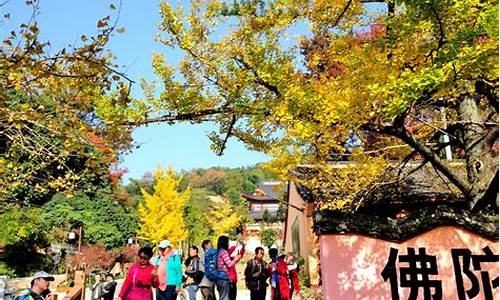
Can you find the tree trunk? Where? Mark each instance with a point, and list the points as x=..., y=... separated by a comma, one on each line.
x=482, y=164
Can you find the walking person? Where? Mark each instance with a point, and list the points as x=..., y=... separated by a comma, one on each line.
x=278, y=271
x=169, y=268
x=140, y=278
x=256, y=275
x=227, y=288
x=193, y=273
x=96, y=290
x=39, y=288
x=108, y=292
x=207, y=287
x=293, y=275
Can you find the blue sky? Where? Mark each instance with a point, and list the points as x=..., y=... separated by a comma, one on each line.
x=182, y=146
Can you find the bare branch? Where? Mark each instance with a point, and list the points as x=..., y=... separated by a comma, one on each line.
x=434, y=127
x=434, y=159
x=346, y=7
x=228, y=134
x=258, y=79
x=180, y=117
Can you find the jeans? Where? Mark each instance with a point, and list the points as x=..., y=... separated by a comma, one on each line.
x=192, y=289
x=168, y=294
x=208, y=293
x=258, y=294
x=223, y=289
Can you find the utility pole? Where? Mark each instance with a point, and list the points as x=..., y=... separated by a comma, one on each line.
x=80, y=239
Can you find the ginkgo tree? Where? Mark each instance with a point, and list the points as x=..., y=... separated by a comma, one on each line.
x=223, y=219
x=161, y=213
x=311, y=81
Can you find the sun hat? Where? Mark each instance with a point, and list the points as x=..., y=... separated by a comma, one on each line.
x=164, y=244
x=43, y=275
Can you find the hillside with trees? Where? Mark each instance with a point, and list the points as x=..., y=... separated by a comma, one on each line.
x=215, y=205
x=111, y=213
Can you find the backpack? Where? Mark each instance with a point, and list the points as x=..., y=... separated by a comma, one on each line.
x=211, y=270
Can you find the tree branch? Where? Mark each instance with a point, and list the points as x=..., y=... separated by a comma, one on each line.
x=346, y=7
x=442, y=35
x=258, y=79
x=434, y=159
x=169, y=118
x=228, y=134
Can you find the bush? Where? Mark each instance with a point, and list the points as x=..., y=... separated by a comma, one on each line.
x=6, y=270
x=25, y=241
x=311, y=293
x=127, y=254
x=93, y=258
x=269, y=237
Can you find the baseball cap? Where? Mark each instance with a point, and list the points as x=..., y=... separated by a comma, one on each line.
x=43, y=275
x=164, y=244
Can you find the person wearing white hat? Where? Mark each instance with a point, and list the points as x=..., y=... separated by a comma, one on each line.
x=39, y=287
x=169, y=270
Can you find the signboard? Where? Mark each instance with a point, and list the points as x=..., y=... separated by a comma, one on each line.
x=443, y=263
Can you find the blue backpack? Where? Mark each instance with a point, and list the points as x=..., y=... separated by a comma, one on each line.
x=211, y=270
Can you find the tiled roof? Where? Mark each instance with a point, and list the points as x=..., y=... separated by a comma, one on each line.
x=411, y=184
x=274, y=189
x=268, y=191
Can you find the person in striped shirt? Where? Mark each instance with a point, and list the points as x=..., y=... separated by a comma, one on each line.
x=227, y=288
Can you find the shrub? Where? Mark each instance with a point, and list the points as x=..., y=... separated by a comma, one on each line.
x=94, y=258
x=269, y=237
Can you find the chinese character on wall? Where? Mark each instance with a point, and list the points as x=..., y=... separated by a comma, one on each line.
x=419, y=273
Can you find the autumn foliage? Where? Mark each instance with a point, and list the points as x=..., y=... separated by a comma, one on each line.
x=161, y=213
x=311, y=82
x=62, y=111
x=93, y=258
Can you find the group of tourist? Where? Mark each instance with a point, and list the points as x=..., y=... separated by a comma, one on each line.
x=103, y=290
x=282, y=272
x=215, y=268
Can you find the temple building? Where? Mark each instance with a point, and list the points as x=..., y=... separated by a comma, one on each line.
x=265, y=207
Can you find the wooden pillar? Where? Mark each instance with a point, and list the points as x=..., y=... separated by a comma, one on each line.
x=80, y=280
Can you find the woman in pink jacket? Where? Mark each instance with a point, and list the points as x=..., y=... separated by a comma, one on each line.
x=140, y=278
x=226, y=263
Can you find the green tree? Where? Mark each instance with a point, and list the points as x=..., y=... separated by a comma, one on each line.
x=24, y=236
x=196, y=219
x=358, y=86
x=104, y=220
x=130, y=195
